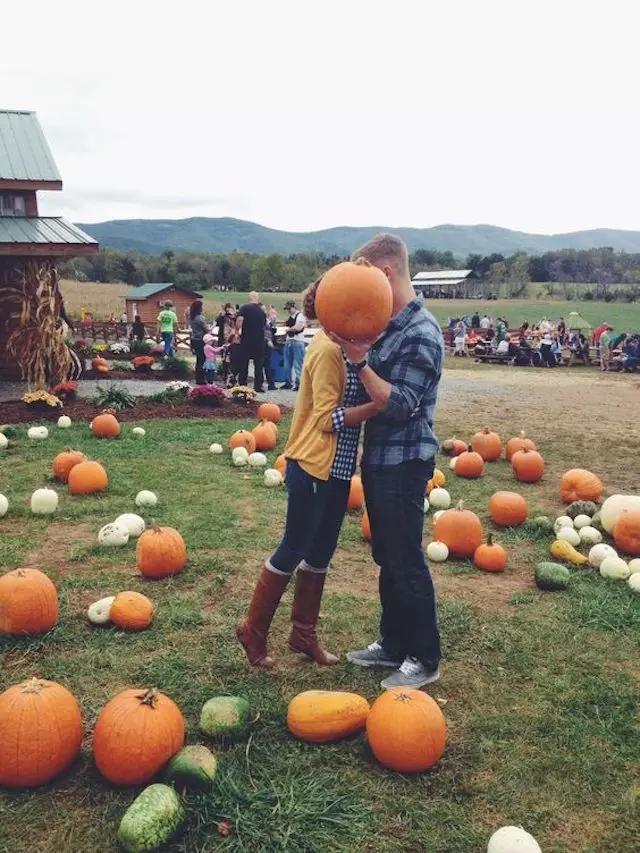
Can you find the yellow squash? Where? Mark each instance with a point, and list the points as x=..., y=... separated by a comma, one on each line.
x=320, y=716
x=562, y=550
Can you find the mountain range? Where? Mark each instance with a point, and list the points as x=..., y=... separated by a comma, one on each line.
x=222, y=235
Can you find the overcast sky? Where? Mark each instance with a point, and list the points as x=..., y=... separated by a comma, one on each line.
x=305, y=115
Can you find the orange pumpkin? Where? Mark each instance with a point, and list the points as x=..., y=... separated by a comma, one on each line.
x=407, y=731
x=518, y=442
x=527, y=465
x=436, y=481
x=453, y=447
x=105, y=425
x=160, y=552
x=488, y=444
x=281, y=464
x=469, y=465
x=490, y=557
x=87, y=478
x=243, y=438
x=269, y=412
x=626, y=533
x=100, y=364
x=28, y=602
x=40, y=733
x=64, y=462
x=136, y=733
x=580, y=485
x=322, y=716
x=266, y=436
x=365, y=526
x=356, y=494
x=508, y=509
x=354, y=301
x=460, y=530
x=131, y=611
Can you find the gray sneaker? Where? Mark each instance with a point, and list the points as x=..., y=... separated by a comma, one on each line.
x=411, y=673
x=373, y=655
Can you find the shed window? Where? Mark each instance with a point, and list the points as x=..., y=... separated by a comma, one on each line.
x=12, y=205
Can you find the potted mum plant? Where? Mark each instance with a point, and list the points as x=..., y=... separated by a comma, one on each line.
x=208, y=395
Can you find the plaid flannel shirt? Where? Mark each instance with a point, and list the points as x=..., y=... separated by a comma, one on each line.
x=344, y=462
x=409, y=355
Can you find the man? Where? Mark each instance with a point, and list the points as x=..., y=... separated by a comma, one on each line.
x=475, y=320
x=401, y=373
x=250, y=325
x=605, y=347
x=485, y=323
x=501, y=329
x=294, y=346
x=597, y=335
x=167, y=327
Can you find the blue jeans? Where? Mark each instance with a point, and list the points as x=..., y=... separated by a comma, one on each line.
x=395, y=504
x=293, y=360
x=315, y=512
x=167, y=337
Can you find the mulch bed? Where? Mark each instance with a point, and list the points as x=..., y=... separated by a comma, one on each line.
x=138, y=375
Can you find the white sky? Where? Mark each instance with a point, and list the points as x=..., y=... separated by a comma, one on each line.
x=306, y=114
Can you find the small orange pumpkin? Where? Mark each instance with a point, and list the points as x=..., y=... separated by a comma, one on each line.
x=243, y=438
x=131, y=611
x=281, y=464
x=40, y=733
x=28, y=602
x=355, y=500
x=101, y=365
x=64, y=462
x=527, y=465
x=269, y=412
x=266, y=436
x=85, y=478
x=508, y=509
x=354, y=301
x=626, y=533
x=488, y=444
x=518, y=442
x=105, y=425
x=460, y=530
x=407, y=731
x=469, y=465
x=580, y=485
x=160, y=552
x=365, y=526
x=453, y=447
x=490, y=557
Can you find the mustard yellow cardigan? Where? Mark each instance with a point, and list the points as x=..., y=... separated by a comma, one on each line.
x=312, y=441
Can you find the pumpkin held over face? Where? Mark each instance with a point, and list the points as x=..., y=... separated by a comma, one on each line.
x=508, y=509
x=487, y=443
x=40, y=733
x=243, y=438
x=144, y=724
x=580, y=485
x=105, y=425
x=28, y=602
x=64, y=462
x=354, y=301
x=407, y=731
x=160, y=552
x=87, y=478
x=460, y=530
x=355, y=500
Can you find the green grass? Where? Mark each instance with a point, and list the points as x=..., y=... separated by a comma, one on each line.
x=540, y=690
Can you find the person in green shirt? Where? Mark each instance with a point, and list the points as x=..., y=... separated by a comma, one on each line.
x=605, y=348
x=167, y=327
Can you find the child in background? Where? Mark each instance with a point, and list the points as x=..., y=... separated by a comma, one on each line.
x=210, y=358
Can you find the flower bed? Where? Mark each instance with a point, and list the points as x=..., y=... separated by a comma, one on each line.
x=208, y=395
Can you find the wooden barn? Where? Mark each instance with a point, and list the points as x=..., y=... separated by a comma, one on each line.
x=147, y=300
x=446, y=284
x=31, y=330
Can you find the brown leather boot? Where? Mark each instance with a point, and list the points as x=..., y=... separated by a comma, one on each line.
x=252, y=631
x=304, y=616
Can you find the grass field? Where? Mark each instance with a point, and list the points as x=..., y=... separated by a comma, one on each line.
x=540, y=690
x=102, y=299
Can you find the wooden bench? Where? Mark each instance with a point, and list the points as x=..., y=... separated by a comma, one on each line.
x=494, y=357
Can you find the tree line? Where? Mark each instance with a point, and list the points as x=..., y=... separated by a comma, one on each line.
x=560, y=272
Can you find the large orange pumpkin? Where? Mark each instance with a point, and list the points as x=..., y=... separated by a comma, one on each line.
x=281, y=464
x=64, y=462
x=105, y=425
x=266, y=436
x=40, y=733
x=490, y=557
x=407, y=731
x=160, y=552
x=243, y=438
x=354, y=301
x=460, y=530
x=518, y=442
x=626, y=533
x=28, y=602
x=87, y=478
x=131, y=611
x=527, y=465
x=469, y=465
x=488, y=444
x=508, y=509
x=355, y=500
x=269, y=412
x=136, y=733
x=321, y=716
x=580, y=485
x=365, y=526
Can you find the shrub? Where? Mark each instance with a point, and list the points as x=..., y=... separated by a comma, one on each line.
x=242, y=394
x=208, y=395
x=175, y=393
x=121, y=365
x=119, y=348
x=142, y=362
x=100, y=348
x=177, y=366
x=140, y=347
x=114, y=397
x=83, y=348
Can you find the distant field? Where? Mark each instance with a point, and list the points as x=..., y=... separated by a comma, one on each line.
x=103, y=299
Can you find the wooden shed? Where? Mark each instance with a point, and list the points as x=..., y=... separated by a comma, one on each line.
x=147, y=300
x=446, y=284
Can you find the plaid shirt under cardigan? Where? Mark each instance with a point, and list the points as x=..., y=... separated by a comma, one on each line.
x=409, y=355
x=344, y=462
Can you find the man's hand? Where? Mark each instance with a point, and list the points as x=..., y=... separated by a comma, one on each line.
x=355, y=351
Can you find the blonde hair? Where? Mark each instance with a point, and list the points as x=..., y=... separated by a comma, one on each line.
x=385, y=248
x=309, y=299
x=254, y=297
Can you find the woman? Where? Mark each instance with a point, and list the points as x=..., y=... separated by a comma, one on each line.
x=138, y=331
x=199, y=328
x=226, y=322
x=321, y=459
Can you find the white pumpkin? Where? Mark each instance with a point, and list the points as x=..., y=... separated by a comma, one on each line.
x=240, y=461
x=38, y=433
x=272, y=477
x=634, y=581
x=614, y=568
x=436, y=515
x=64, y=421
x=581, y=521
x=216, y=448
x=4, y=506
x=589, y=535
x=562, y=521
x=139, y=432
x=4, y=441
x=146, y=498
x=133, y=523
x=512, y=839
x=452, y=463
x=439, y=498
x=437, y=552
x=426, y=505
x=634, y=565
x=44, y=501
x=257, y=460
x=613, y=507
x=600, y=552
x=570, y=535
x=240, y=453
x=99, y=612
x=113, y=535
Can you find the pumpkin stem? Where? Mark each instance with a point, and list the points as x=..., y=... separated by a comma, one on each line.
x=522, y=433
x=486, y=430
x=32, y=685
x=149, y=697
x=460, y=506
x=489, y=539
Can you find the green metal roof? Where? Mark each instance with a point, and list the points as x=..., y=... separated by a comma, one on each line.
x=41, y=229
x=143, y=291
x=24, y=153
